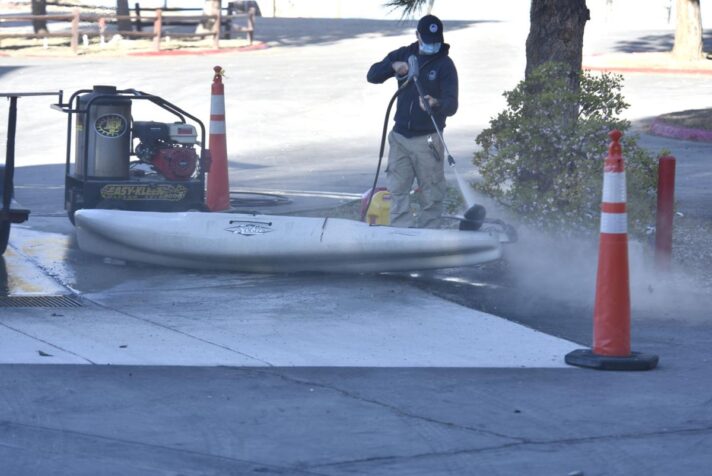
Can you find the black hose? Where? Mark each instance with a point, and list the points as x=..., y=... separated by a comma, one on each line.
x=383, y=137
x=383, y=148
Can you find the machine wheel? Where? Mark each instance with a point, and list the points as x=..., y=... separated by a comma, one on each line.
x=4, y=236
x=70, y=214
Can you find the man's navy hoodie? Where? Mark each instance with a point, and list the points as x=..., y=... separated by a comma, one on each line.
x=438, y=78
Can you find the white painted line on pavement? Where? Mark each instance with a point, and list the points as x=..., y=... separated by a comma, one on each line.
x=301, y=193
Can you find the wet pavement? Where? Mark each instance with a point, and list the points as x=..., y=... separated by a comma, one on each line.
x=168, y=371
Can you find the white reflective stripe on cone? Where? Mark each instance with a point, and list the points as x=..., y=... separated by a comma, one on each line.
x=217, y=104
x=614, y=190
x=217, y=127
x=614, y=222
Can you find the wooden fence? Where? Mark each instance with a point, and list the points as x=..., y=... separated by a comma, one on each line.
x=221, y=23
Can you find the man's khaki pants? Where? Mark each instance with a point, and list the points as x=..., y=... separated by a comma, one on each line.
x=408, y=159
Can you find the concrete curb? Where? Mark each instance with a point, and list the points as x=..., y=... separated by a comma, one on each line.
x=659, y=127
x=239, y=49
x=665, y=129
x=648, y=70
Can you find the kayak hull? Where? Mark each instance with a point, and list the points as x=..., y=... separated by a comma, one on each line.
x=276, y=244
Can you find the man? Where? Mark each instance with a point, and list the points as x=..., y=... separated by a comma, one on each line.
x=415, y=151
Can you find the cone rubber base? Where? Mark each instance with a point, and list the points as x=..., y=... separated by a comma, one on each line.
x=636, y=361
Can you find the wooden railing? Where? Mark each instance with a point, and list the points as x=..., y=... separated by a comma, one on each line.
x=158, y=20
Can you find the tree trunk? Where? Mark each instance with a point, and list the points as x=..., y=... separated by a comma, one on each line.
x=556, y=34
x=210, y=7
x=122, y=8
x=39, y=7
x=688, y=30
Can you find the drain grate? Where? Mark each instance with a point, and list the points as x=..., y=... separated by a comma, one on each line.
x=40, y=301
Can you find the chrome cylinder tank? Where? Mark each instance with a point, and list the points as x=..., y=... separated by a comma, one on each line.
x=103, y=136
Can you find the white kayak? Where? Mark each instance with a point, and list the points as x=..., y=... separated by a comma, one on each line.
x=277, y=244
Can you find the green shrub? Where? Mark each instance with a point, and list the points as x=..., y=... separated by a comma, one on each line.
x=543, y=155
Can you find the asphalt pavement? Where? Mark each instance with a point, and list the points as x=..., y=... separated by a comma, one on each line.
x=131, y=369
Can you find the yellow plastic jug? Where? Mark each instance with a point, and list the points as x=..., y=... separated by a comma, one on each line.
x=379, y=211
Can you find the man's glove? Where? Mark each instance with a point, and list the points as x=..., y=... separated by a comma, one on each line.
x=432, y=102
x=401, y=69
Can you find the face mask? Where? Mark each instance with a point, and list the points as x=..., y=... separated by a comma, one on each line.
x=429, y=48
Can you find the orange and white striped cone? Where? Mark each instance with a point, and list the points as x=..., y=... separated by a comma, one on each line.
x=218, y=195
x=611, y=312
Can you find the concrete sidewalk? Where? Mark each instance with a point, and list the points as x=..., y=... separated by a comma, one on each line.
x=232, y=319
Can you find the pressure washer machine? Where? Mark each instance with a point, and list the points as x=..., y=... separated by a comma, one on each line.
x=167, y=172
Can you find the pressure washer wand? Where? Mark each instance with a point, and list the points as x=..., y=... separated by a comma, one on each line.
x=413, y=74
x=474, y=212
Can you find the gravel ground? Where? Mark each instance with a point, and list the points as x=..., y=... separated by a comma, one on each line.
x=691, y=249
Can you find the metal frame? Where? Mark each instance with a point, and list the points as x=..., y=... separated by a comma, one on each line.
x=90, y=187
x=9, y=215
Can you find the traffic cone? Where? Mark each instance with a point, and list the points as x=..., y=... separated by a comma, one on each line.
x=611, y=312
x=218, y=196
